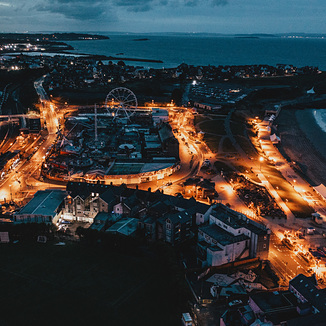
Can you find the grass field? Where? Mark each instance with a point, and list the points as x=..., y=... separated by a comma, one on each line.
x=246, y=146
x=44, y=284
x=237, y=128
x=200, y=118
x=212, y=142
x=219, y=166
x=227, y=146
x=213, y=126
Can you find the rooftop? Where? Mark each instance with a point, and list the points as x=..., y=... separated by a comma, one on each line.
x=125, y=226
x=236, y=220
x=221, y=236
x=84, y=189
x=126, y=168
x=270, y=302
x=179, y=217
x=44, y=202
x=307, y=287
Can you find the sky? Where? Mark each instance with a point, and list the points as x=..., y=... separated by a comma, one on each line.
x=139, y=16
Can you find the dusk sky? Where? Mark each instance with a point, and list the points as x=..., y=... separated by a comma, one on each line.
x=214, y=16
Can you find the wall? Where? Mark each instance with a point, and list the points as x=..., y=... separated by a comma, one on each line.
x=30, y=218
x=254, y=307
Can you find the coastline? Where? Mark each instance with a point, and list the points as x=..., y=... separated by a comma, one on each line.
x=303, y=141
x=312, y=129
x=84, y=55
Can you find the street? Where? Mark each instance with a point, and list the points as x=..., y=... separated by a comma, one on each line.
x=24, y=177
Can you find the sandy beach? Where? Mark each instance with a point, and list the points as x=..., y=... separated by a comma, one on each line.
x=304, y=142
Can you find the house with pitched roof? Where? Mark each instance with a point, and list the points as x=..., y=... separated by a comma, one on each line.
x=79, y=204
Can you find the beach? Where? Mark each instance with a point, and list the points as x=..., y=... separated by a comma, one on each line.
x=303, y=141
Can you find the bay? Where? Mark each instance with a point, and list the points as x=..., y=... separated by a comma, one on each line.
x=215, y=50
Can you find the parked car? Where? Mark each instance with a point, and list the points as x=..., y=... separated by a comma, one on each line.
x=235, y=303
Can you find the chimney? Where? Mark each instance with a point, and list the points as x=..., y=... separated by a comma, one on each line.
x=149, y=189
x=137, y=187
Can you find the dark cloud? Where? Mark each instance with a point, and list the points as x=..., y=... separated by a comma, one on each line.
x=135, y=5
x=193, y=3
x=91, y=10
x=219, y=2
x=145, y=5
x=76, y=9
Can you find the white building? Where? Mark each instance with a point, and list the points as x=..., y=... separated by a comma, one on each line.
x=227, y=236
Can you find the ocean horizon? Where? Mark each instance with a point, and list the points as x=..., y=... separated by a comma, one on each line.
x=208, y=49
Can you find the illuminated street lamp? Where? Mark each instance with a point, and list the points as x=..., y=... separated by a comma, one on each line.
x=261, y=159
x=299, y=266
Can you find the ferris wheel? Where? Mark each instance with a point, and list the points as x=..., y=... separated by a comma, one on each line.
x=122, y=103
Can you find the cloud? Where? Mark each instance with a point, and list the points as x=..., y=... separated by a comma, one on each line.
x=138, y=5
x=219, y=2
x=146, y=5
x=77, y=9
x=87, y=10
x=193, y=3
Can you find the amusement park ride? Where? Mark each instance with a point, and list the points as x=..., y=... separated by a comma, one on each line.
x=121, y=103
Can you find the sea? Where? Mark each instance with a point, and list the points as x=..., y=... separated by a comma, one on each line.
x=208, y=49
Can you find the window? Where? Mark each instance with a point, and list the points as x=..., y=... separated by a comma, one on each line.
x=168, y=226
x=265, y=237
x=264, y=246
